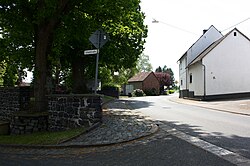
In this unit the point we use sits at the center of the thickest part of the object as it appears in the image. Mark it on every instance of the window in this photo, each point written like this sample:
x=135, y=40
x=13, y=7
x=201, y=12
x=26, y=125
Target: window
x=235, y=33
x=190, y=78
x=181, y=82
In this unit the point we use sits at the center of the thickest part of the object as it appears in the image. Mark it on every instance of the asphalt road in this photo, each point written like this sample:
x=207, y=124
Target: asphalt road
x=162, y=150
x=226, y=130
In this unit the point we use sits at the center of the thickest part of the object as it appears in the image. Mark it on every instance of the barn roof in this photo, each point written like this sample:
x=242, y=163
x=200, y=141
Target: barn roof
x=139, y=77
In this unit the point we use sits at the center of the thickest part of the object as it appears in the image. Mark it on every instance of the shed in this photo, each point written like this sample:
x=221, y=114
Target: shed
x=146, y=81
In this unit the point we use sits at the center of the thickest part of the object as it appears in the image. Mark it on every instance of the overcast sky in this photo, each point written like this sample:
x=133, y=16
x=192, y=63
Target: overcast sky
x=181, y=23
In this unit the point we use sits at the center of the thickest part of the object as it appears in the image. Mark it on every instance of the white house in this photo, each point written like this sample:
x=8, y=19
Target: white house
x=208, y=37
x=221, y=70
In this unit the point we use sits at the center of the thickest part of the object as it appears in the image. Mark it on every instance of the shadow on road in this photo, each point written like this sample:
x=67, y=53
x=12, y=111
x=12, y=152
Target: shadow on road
x=233, y=143
x=129, y=104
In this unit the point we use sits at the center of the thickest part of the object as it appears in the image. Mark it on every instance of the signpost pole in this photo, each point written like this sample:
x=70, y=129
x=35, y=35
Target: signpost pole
x=96, y=72
x=98, y=39
x=97, y=62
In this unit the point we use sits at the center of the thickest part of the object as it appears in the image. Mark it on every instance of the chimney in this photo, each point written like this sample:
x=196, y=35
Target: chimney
x=204, y=31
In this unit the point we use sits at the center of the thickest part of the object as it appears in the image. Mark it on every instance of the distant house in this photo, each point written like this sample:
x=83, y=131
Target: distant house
x=145, y=81
x=220, y=69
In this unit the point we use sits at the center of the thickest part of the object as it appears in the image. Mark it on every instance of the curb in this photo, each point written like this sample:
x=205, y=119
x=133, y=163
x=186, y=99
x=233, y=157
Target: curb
x=215, y=109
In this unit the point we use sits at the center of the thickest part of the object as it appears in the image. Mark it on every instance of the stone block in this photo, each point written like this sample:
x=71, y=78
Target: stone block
x=4, y=128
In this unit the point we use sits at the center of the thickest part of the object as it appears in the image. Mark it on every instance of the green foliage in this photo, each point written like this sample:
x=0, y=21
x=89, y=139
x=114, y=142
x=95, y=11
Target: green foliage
x=109, y=78
x=138, y=93
x=171, y=91
x=150, y=92
x=110, y=85
x=9, y=76
x=143, y=64
x=24, y=26
x=165, y=69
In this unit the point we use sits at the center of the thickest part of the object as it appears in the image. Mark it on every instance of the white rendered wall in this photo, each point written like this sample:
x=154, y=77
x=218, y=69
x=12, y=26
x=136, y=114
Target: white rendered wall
x=183, y=73
x=202, y=43
x=228, y=66
x=197, y=85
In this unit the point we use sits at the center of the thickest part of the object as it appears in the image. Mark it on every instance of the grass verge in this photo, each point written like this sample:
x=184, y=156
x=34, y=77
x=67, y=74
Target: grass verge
x=41, y=138
x=107, y=99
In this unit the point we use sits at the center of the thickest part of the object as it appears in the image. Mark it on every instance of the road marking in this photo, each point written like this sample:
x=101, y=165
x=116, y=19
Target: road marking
x=216, y=150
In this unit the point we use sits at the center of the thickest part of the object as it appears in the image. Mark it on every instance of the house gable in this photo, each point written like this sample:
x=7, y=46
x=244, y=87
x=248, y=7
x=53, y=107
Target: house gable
x=210, y=36
x=216, y=43
x=227, y=65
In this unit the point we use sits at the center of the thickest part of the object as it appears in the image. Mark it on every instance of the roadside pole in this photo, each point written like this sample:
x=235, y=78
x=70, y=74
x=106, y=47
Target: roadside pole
x=98, y=39
x=96, y=72
x=97, y=61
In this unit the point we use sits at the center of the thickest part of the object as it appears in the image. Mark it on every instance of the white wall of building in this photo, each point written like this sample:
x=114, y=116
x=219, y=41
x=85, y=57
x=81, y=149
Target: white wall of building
x=183, y=73
x=228, y=66
x=197, y=85
x=211, y=35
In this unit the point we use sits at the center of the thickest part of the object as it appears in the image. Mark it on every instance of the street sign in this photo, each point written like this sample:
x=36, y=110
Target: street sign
x=91, y=52
x=99, y=38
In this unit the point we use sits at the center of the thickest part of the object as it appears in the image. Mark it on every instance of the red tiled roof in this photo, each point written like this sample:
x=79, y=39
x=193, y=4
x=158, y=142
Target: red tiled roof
x=139, y=77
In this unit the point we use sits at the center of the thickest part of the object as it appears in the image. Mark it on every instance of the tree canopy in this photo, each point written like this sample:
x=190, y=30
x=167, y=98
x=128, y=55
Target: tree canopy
x=165, y=69
x=51, y=35
x=143, y=63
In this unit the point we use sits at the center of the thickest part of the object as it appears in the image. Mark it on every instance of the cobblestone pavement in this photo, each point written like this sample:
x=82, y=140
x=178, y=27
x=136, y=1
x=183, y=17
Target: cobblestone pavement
x=119, y=125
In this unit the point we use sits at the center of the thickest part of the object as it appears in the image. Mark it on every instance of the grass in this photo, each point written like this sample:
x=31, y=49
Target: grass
x=41, y=138
x=107, y=98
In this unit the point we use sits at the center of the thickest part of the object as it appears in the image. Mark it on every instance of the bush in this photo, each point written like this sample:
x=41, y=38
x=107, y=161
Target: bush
x=165, y=92
x=151, y=92
x=110, y=86
x=138, y=93
x=171, y=91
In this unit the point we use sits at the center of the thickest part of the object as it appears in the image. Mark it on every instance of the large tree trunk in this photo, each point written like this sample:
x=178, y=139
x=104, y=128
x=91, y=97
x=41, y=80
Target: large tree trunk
x=79, y=84
x=42, y=47
x=43, y=42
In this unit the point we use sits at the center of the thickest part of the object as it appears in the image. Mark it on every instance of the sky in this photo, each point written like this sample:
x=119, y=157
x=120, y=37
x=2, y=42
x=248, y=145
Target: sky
x=181, y=23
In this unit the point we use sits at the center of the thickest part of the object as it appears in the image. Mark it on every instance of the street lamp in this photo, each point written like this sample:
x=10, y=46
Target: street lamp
x=155, y=21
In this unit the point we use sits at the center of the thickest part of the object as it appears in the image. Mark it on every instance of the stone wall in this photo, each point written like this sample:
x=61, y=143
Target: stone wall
x=72, y=111
x=64, y=111
x=26, y=123
x=13, y=99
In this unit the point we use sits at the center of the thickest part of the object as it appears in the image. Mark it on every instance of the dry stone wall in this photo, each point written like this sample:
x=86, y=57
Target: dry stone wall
x=72, y=111
x=64, y=111
x=13, y=99
x=28, y=123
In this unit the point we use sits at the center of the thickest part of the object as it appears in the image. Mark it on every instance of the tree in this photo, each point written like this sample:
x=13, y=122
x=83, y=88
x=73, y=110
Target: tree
x=164, y=80
x=126, y=30
x=36, y=33
x=165, y=69
x=34, y=21
x=165, y=76
x=143, y=64
x=158, y=69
